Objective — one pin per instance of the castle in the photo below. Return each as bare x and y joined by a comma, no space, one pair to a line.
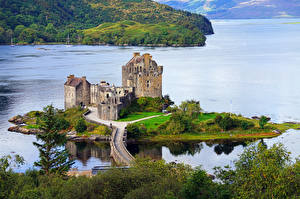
141,77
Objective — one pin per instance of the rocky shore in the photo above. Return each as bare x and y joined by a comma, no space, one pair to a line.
20,127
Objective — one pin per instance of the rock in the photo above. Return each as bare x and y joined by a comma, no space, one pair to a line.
20,129
16,119
276,131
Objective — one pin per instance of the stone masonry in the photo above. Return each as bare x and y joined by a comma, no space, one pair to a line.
141,77
143,73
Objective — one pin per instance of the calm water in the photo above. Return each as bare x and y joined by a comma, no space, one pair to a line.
253,63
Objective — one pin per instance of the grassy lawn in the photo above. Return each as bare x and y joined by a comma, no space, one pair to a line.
212,133
207,116
153,123
138,115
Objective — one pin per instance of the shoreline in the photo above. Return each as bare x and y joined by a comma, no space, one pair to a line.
20,127
97,44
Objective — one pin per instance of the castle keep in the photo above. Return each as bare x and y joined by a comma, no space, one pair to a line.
141,77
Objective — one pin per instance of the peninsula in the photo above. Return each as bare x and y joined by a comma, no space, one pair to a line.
104,22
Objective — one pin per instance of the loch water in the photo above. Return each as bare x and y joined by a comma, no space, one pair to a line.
249,67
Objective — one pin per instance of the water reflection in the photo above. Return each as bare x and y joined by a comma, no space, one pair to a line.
154,150
227,147
82,152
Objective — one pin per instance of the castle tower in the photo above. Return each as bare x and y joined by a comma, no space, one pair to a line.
76,91
143,73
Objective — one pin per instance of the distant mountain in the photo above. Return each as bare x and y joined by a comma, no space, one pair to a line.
40,21
238,9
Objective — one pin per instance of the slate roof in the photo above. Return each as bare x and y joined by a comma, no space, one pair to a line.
74,82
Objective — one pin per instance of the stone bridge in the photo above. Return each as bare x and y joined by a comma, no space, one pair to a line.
118,137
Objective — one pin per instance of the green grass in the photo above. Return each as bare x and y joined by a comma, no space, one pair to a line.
292,23
133,33
138,115
213,132
207,116
153,123
72,115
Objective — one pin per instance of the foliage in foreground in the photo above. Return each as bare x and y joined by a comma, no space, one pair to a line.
259,173
263,173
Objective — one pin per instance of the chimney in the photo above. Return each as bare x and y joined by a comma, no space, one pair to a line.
83,78
103,83
147,58
70,77
136,54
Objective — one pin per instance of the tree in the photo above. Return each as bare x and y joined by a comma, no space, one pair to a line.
263,121
53,158
18,30
191,108
7,177
28,35
226,123
262,173
80,126
198,186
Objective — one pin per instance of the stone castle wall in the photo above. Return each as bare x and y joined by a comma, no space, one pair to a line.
141,77
143,73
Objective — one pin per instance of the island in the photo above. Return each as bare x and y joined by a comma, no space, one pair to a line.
92,111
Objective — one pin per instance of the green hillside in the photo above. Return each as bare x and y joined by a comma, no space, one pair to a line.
34,21
134,33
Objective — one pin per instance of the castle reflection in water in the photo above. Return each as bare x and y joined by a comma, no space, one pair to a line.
83,151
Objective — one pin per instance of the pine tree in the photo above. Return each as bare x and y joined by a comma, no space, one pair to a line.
54,159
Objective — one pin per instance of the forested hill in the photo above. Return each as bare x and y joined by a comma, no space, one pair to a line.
35,21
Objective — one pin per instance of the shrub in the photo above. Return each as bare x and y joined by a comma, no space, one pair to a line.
133,131
62,124
263,121
246,125
218,119
226,123
123,113
80,126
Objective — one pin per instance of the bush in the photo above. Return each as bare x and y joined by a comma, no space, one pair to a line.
133,131
62,124
263,121
245,125
123,113
262,173
218,119
80,126
226,123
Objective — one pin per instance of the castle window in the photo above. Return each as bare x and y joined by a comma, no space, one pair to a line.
107,95
140,69
148,83
109,107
